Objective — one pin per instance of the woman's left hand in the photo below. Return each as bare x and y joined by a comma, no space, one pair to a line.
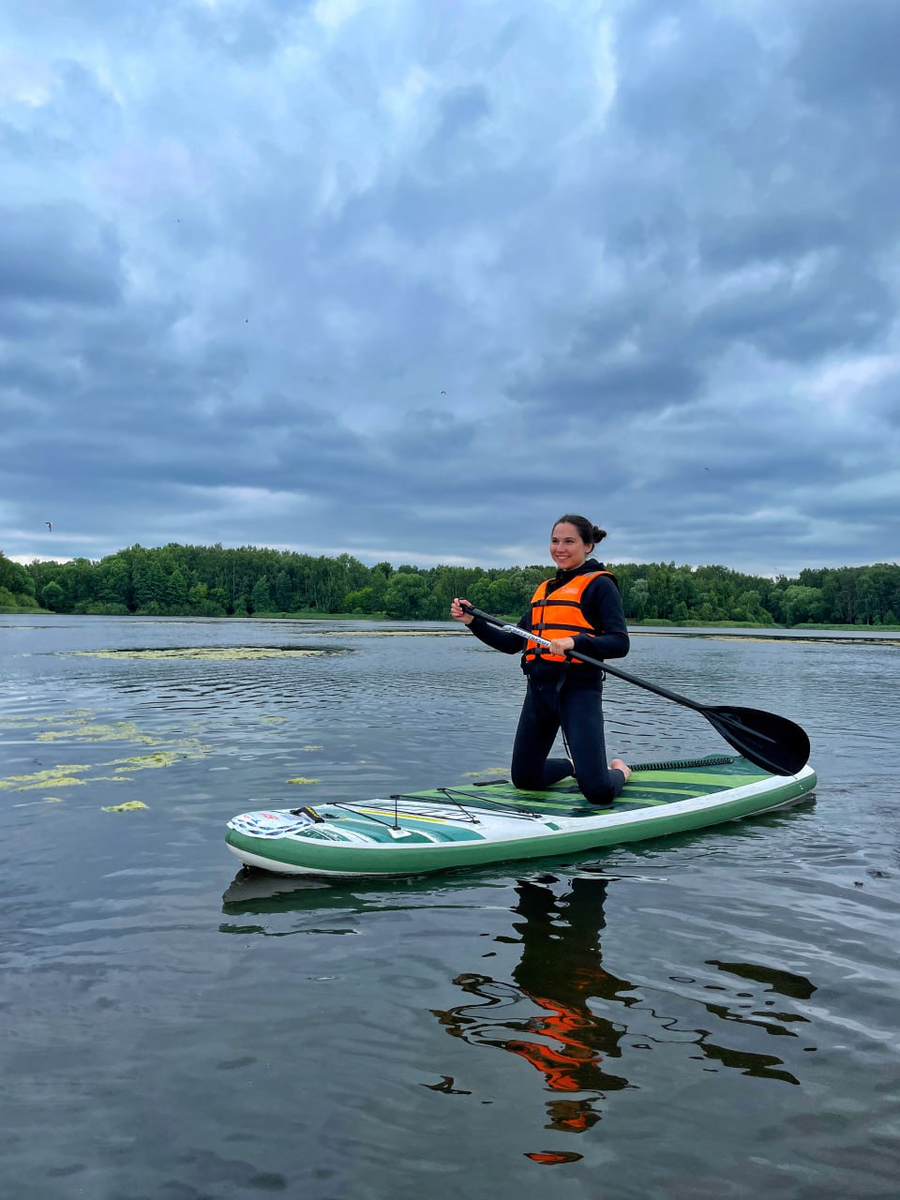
561,645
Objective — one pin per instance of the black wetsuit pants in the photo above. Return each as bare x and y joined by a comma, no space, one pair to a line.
577,708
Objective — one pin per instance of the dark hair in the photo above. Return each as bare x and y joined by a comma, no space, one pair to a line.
588,533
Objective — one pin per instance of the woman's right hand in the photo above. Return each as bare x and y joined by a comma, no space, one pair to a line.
458,613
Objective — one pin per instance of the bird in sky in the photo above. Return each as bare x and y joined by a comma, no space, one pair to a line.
49,525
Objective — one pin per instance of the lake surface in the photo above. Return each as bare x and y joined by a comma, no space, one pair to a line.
712,1015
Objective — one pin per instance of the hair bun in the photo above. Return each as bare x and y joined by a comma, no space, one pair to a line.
587,531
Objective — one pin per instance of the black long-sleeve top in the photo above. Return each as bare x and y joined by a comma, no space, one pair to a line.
602,607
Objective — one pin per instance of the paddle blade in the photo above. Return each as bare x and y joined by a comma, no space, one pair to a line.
771,742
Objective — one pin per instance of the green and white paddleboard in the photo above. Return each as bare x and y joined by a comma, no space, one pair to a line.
491,821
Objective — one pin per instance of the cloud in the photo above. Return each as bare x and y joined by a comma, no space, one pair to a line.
54,255
409,280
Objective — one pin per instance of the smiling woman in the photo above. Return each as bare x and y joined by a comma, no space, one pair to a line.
579,609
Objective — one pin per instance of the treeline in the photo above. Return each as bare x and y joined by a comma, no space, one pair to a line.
210,581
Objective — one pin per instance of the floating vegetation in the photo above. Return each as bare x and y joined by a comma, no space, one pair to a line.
78,726
207,653
83,730
128,806
162,758
273,720
301,779
54,777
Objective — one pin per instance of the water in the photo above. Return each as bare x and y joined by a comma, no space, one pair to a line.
709,1015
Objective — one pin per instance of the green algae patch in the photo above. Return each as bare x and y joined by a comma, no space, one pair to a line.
78,726
162,758
300,779
54,777
206,653
273,720
87,731
128,806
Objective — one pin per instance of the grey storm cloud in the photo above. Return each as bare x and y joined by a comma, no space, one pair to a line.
408,280
54,255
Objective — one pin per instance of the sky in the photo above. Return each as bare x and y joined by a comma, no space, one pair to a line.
409,279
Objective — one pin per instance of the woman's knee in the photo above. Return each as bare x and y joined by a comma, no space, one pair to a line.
602,790
602,797
525,779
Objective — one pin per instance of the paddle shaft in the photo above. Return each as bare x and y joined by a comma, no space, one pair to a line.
585,658
774,743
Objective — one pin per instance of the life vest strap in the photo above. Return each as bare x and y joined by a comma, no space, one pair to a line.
558,603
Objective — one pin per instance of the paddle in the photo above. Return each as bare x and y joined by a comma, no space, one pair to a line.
771,742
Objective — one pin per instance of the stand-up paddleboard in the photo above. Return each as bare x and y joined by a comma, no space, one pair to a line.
492,821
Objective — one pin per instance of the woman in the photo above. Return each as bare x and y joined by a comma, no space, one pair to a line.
579,609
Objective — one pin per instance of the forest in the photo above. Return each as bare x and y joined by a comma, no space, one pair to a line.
213,581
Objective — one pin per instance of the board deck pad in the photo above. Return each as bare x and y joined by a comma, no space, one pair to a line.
650,784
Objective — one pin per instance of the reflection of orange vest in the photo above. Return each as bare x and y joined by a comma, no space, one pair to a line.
568,1069
560,615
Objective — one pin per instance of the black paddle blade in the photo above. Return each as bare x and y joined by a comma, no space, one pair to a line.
771,742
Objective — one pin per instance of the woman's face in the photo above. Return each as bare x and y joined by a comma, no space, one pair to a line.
566,547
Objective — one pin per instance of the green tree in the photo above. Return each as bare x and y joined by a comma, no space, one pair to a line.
361,601
218,597
53,597
637,599
12,575
176,592
407,596
77,580
802,604
749,605
867,606
281,592
113,581
260,597
503,597
149,583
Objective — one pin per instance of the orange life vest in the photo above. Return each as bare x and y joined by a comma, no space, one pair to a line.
560,615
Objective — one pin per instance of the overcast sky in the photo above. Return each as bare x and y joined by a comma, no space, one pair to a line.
410,278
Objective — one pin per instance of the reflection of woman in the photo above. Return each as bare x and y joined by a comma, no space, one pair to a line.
560,970
578,609
565,1014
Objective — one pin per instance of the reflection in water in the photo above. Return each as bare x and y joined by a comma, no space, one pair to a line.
559,971
258,894
571,1039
